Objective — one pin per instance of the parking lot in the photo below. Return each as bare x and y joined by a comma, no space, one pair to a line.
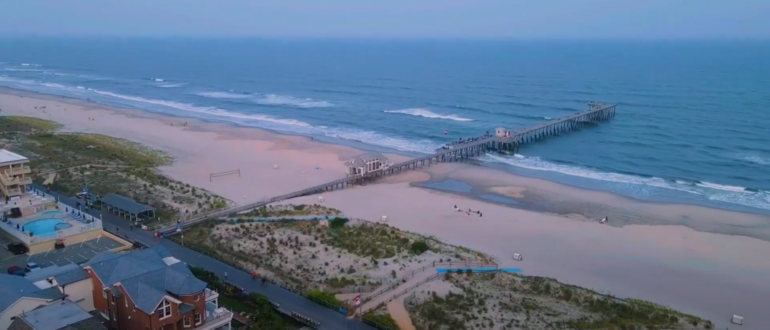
75,253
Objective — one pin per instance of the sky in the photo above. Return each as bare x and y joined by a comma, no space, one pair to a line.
517,19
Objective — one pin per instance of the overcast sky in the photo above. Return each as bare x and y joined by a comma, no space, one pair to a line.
562,19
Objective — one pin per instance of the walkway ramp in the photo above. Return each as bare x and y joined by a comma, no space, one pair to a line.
50,179
398,313
384,298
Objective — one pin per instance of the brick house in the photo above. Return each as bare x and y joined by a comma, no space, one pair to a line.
151,290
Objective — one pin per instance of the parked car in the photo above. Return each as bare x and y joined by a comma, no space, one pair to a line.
16,270
17,248
32,266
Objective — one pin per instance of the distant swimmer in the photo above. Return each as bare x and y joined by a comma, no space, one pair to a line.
446,132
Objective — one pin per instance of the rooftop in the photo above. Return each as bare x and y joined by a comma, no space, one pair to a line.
64,315
13,288
63,275
11,157
145,275
124,203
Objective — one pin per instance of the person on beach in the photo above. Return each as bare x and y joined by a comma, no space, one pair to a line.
254,275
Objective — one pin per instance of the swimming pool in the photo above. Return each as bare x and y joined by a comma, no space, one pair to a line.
45,227
52,214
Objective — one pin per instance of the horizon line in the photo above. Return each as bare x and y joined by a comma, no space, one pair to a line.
375,38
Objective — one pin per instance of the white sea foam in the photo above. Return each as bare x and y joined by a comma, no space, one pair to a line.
721,187
210,111
284,100
54,85
421,112
224,95
712,191
30,64
170,85
23,70
377,139
158,79
757,159
270,99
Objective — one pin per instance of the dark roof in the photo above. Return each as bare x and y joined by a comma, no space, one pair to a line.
65,315
124,203
13,287
50,271
146,275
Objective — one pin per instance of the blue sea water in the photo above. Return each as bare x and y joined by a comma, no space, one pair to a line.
691,124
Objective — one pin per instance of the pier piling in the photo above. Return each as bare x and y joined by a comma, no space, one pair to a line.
508,142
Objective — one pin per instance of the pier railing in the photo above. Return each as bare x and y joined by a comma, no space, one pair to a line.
506,141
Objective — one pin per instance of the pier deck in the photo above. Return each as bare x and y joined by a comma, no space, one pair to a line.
501,141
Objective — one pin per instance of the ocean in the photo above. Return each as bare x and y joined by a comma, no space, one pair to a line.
691,125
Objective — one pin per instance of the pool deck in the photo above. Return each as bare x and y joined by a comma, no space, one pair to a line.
40,216
75,253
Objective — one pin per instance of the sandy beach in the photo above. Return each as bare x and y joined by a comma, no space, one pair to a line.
698,260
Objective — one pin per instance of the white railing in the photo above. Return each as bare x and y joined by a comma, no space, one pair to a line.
219,318
67,232
211,295
77,228
8,179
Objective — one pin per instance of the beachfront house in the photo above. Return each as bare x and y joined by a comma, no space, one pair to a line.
15,175
366,164
150,289
18,295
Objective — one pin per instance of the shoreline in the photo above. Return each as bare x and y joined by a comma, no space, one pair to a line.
655,240
662,196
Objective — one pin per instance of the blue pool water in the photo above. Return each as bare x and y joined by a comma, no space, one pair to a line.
51,213
45,227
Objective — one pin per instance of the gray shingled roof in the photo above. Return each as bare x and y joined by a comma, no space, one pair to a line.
50,271
58,316
145,276
371,156
75,275
13,287
124,203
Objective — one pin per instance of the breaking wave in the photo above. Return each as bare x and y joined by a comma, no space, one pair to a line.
421,112
717,192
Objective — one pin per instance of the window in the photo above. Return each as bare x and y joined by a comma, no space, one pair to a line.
164,310
104,293
198,319
187,323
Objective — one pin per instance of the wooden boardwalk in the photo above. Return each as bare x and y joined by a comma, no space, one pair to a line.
508,143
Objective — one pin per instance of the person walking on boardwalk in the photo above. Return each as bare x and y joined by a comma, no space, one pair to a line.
225,276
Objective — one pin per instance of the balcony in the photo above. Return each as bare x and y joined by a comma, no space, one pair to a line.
211,295
216,319
17,170
11,180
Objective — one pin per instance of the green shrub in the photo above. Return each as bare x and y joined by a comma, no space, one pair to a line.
382,320
337,223
322,297
419,247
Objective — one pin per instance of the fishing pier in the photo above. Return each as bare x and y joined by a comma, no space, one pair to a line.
372,166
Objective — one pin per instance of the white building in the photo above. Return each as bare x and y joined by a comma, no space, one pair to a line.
70,279
366,164
18,295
